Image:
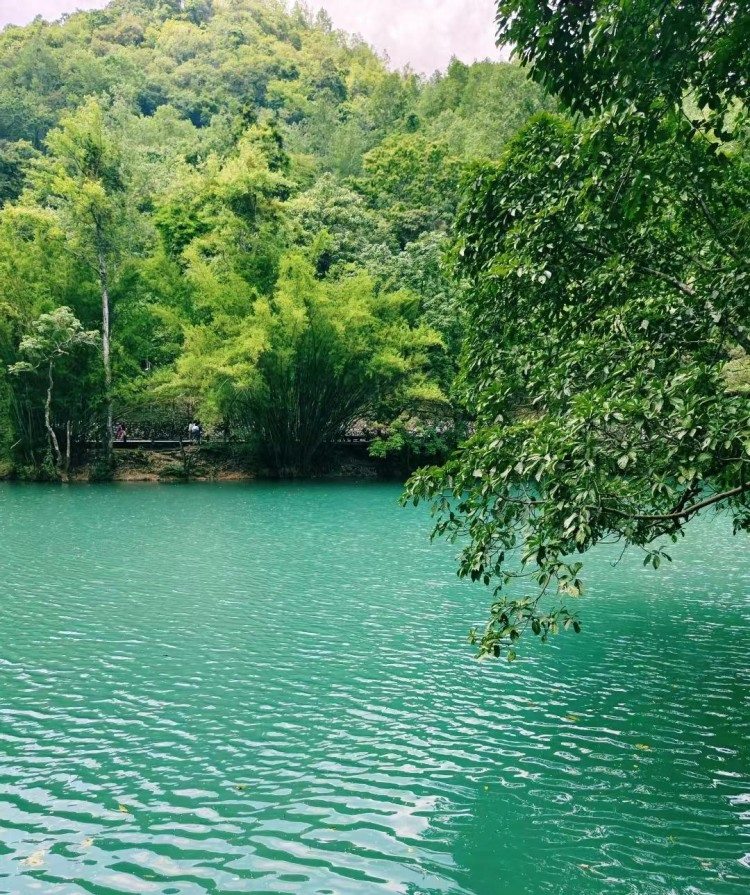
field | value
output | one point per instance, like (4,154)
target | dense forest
(230,211)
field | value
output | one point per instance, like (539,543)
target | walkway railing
(174,444)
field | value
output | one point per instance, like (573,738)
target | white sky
(422,33)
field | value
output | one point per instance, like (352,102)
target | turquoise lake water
(267,689)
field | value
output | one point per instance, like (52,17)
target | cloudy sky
(423,33)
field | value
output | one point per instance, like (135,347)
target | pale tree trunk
(104,285)
(48,420)
(67,449)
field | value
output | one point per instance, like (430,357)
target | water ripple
(267,690)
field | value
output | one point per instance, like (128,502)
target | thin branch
(680,514)
(684,513)
(739,334)
(720,235)
(685,288)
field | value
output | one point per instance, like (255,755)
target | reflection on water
(268,689)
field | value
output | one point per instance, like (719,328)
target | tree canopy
(53,337)
(599,53)
(607,308)
(223,189)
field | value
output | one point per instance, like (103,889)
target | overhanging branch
(685,513)
(676,516)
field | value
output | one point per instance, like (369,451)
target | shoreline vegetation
(235,214)
(209,463)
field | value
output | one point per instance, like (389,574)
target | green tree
(158,159)
(228,213)
(14,161)
(53,336)
(597,54)
(477,108)
(82,179)
(413,182)
(300,367)
(606,257)
(336,224)
(425,267)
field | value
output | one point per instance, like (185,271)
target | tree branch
(738,333)
(680,514)
(674,516)
(718,233)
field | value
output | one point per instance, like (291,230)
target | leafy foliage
(607,308)
(165,167)
(301,366)
(651,54)
(53,337)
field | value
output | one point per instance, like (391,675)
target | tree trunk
(104,286)
(67,450)
(48,421)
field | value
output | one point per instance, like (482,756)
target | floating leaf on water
(573,719)
(36,859)
(123,809)
(644,747)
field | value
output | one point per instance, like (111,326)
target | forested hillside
(250,209)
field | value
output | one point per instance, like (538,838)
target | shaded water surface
(267,689)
